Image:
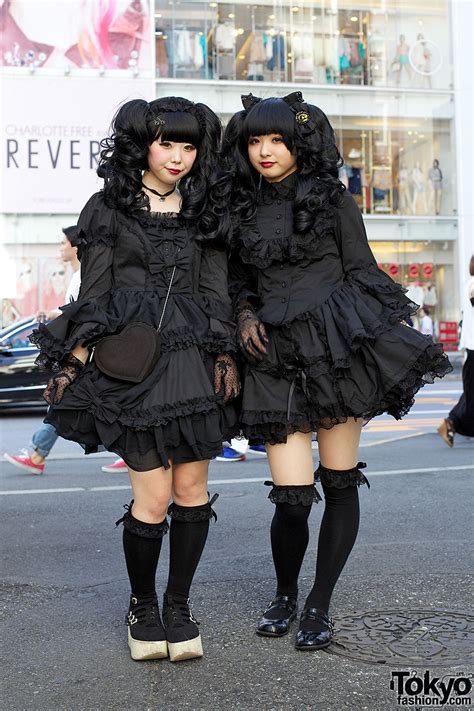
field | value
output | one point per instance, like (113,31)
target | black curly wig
(318,187)
(124,157)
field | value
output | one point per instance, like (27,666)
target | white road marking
(249,480)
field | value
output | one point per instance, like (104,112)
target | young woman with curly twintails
(323,334)
(151,256)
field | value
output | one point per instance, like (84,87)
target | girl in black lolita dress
(166,428)
(322,329)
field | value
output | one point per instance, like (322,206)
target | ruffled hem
(356,312)
(184,439)
(273,427)
(140,419)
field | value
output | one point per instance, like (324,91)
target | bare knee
(190,485)
(150,508)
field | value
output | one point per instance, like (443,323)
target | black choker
(162,196)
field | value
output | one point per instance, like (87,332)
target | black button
(278,217)
(278,231)
(283,301)
(278,202)
(281,266)
(283,283)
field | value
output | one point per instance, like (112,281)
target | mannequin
(401,64)
(421,60)
(404,189)
(435,177)
(419,191)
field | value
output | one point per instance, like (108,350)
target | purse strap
(167,296)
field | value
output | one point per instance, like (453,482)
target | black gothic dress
(126,264)
(337,347)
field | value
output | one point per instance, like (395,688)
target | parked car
(21,382)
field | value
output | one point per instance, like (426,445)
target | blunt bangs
(180,127)
(270,116)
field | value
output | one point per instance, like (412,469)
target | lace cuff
(193,514)
(341,479)
(305,495)
(140,528)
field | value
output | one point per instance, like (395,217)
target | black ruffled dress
(337,348)
(126,264)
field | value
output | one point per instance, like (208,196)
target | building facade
(386,72)
(381,70)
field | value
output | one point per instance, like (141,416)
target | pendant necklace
(162,196)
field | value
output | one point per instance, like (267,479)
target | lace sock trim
(191,514)
(305,495)
(341,479)
(140,528)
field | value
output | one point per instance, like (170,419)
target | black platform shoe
(146,634)
(278,626)
(307,639)
(182,631)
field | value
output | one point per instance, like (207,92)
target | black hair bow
(303,118)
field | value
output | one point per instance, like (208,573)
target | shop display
(300,43)
(419,190)
(435,177)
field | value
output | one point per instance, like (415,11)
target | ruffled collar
(283,190)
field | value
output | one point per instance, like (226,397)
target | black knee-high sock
(337,536)
(141,546)
(289,535)
(141,557)
(188,534)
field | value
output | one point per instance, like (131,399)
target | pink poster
(78,34)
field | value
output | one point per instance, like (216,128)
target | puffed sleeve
(242,280)
(360,265)
(84,321)
(215,299)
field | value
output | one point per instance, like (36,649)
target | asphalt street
(65,590)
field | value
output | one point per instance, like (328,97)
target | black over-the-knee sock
(289,533)
(338,531)
(142,546)
(188,534)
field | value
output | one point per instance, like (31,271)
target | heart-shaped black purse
(131,354)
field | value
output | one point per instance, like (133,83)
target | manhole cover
(434,638)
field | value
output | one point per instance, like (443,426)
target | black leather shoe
(277,627)
(309,639)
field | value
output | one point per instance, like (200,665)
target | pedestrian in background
(320,327)
(461,418)
(154,271)
(45,437)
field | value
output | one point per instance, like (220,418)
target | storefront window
(326,42)
(397,166)
(427,270)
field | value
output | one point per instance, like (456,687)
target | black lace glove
(70,369)
(226,376)
(252,334)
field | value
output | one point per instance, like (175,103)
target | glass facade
(371,43)
(396,166)
(382,72)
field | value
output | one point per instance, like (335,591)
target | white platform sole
(140,650)
(190,649)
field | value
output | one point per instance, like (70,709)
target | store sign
(415,271)
(50,138)
(448,335)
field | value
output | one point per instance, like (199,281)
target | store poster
(51,128)
(76,34)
